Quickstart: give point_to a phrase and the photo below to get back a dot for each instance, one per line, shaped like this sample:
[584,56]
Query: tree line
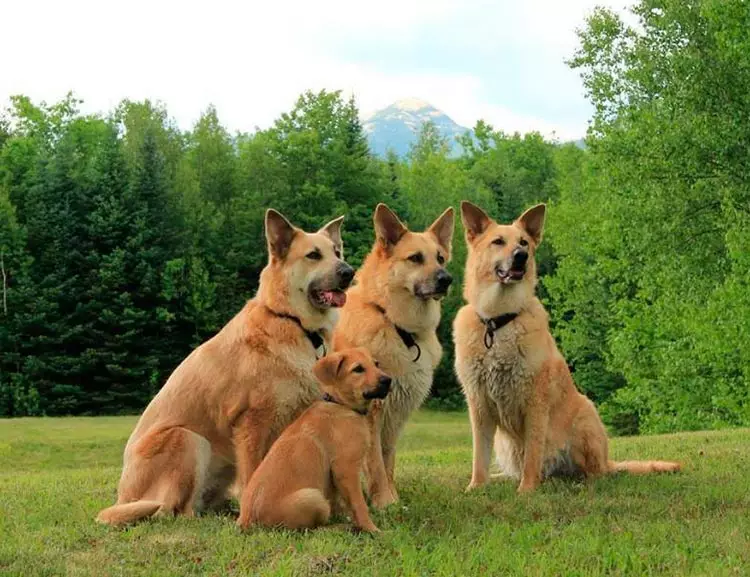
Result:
[125,241]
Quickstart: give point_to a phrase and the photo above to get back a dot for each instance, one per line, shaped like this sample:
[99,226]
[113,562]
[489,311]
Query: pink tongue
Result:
[335,298]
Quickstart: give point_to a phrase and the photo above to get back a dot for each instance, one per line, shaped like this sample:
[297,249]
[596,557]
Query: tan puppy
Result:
[517,384]
[219,412]
[394,311]
[317,461]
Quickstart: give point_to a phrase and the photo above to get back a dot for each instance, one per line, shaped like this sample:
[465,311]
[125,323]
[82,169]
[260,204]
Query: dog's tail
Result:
[643,467]
[128,512]
[305,509]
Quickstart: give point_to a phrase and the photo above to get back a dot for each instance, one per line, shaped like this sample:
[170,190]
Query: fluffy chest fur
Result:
[299,389]
[412,378]
[500,377]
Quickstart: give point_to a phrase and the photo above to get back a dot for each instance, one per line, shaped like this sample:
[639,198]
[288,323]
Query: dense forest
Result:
[125,241]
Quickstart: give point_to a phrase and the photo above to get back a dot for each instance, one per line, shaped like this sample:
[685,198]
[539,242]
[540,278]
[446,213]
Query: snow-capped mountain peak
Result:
[397,126]
[411,104]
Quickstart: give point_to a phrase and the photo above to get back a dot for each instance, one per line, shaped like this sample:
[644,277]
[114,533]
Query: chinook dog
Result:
[393,311]
[316,462]
[517,385]
[221,409]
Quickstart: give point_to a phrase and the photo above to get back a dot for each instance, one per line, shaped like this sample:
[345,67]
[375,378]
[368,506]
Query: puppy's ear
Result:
[279,234]
[442,229]
[327,369]
[333,231]
[388,228]
[474,219]
[532,221]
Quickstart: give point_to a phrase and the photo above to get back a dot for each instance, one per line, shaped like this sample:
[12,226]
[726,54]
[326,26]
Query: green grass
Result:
[55,475]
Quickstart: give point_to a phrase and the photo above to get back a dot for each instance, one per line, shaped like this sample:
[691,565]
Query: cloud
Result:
[252,59]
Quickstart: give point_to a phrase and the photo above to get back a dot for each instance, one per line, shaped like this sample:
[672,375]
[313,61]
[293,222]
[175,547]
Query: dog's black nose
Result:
[444,279]
[382,390]
[519,259]
[346,273]
[385,382]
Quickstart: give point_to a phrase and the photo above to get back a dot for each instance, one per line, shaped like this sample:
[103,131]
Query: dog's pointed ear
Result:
[327,368]
[442,229]
[474,219]
[388,228]
[333,231]
[532,221]
[279,233]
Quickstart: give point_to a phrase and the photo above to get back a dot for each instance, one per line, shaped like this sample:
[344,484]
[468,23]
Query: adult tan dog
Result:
[393,310]
[317,461]
[517,384]
[221,409]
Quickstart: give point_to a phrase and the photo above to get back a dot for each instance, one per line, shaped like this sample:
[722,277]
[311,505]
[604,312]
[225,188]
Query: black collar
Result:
[313,336]
[409,339]
[495,324]
[328,398]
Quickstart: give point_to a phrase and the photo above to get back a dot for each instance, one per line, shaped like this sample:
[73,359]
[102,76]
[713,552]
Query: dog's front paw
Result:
[383,499]
[475,484]
[527,487]
[243,523]
[369,528]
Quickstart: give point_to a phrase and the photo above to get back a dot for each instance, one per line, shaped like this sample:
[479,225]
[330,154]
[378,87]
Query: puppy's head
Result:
[500,263]
[306,268]
[416,260]
[352,378]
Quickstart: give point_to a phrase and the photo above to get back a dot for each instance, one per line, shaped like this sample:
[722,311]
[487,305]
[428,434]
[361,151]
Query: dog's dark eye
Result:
[499,241]
[314,255]
[524,242]
[440,259]
[358,369]
[417,258]
[337,252]
[377,364]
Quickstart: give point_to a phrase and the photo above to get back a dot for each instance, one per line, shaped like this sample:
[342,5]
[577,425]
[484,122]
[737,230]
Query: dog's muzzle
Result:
[381,391]
[517,268]
[344,275]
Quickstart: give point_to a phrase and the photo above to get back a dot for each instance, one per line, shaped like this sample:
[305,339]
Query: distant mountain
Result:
[397,126]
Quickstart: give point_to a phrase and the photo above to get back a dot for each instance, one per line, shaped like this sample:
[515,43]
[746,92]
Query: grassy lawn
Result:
[55,475]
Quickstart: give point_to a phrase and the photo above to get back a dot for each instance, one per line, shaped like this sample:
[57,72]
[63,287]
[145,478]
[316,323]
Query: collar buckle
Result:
[409,339]
[494,324]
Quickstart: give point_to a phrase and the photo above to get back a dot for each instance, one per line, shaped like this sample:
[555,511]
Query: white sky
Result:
[252,59]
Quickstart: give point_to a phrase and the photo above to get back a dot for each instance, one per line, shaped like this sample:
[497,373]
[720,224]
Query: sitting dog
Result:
[517,384]
[221,410]
[394,310]
[317,460]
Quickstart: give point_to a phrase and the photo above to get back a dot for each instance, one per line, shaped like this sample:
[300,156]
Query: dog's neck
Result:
[316,338]
[409,339]
[330,399]
[495,300]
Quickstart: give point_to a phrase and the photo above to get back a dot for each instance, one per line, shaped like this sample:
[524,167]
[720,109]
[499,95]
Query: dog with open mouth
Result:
[212,423]
[517,384]
[316,462]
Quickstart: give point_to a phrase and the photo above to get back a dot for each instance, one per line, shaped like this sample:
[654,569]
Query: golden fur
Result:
[316,462]
[221,409]
[393,288]
[519,390]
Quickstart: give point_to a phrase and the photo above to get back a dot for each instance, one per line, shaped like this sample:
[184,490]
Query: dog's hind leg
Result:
[163,473]
[590,446]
